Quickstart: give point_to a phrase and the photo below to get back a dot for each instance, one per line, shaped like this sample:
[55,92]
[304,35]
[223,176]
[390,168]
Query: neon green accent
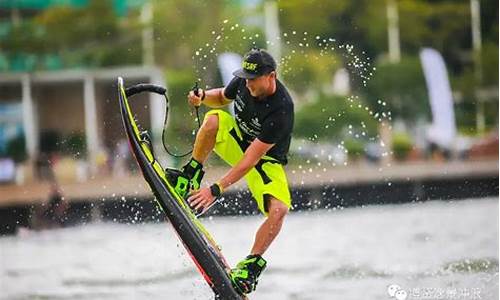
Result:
[261,262]
[147,151]
[161,173]
[238,273]
[245,262]
[249,66]
[194,180]
[228,149]
[193,163]
[157,167]
[182,186]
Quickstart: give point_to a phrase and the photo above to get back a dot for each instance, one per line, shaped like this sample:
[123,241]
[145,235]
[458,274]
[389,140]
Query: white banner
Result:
[443,129]
[228,63]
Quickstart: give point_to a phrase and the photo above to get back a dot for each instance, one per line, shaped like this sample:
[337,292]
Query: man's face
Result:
[259,86]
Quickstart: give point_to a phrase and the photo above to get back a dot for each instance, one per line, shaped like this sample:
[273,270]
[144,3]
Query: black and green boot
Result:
[246,274]
[187,178]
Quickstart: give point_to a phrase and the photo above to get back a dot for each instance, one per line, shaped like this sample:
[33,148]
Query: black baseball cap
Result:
[256,62]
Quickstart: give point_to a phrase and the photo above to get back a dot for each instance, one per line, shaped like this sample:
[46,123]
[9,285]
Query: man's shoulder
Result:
[282,91]
[239,81]
[285,99]
[233,88]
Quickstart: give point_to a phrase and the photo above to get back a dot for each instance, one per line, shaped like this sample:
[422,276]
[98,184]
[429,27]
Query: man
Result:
[254,143]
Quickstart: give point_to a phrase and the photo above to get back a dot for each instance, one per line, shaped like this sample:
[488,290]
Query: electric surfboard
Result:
[201,247]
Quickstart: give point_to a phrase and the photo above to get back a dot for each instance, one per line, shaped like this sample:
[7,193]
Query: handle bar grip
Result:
[145,87]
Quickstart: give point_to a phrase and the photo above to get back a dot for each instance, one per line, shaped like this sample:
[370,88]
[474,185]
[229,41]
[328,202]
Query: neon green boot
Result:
[246,274]
[187,179]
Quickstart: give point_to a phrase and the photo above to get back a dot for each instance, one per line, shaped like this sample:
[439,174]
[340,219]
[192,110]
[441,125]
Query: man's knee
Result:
[277,209]
[211,124]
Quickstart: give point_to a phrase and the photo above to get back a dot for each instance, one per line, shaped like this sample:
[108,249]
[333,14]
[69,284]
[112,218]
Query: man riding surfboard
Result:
[255,143]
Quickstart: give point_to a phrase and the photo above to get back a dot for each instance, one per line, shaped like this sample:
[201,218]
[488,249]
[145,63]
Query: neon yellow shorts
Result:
[266,178]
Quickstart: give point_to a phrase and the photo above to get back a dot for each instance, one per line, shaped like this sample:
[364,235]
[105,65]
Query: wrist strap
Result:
[203,96]
[220,187]
[216,189]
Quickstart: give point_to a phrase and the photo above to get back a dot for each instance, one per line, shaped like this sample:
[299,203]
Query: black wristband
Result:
[203,96]
[215,190]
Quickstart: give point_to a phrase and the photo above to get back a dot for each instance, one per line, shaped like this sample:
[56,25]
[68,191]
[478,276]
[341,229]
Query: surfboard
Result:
[198,242]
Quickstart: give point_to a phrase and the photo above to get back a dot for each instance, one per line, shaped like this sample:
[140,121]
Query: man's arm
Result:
[252,155]
[214,98]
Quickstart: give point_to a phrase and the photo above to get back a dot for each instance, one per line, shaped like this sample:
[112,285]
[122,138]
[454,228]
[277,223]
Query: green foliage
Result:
[181,122]
[329,117]
[355,148]
[468,83]
[348,21]
[180,27]
[74,145]
[402,87]
[489,64]
[442,25]
[308,70]
[16,149]
[401,145]
[184,28]
[88,36]
[94,35]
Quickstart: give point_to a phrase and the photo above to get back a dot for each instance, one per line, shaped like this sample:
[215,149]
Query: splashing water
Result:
[295,44]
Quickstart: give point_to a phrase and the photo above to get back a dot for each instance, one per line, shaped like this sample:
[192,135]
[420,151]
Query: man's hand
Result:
[195,100]
[252,155]
[214,98]
[201,199]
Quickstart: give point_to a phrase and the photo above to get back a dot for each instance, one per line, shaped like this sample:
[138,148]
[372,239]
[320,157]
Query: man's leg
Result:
[271,227]
[205,138]
[246,274]
[191,174]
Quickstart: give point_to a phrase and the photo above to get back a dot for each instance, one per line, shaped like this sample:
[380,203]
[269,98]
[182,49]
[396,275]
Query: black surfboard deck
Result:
[196,239]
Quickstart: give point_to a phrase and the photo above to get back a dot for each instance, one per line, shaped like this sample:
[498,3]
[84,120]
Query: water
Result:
[345,254]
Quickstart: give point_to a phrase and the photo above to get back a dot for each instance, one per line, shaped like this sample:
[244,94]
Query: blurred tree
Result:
[331,117]
[401,87]
[16,149]
[355,148]
[80,36]
[468,86]
[74,144]
[442,25]
[489,62]
[188,35]
[181,123]
[97,37]
[358,22]
[308,70]
[401,145]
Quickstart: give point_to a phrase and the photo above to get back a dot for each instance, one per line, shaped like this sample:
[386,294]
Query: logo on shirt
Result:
[246,128]
[252,126]
[255,122]
[239,104]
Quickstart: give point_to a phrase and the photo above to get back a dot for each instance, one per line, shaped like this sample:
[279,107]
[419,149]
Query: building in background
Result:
[57,106]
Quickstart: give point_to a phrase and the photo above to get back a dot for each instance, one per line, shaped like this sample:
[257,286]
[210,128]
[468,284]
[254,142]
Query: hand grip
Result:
[195,89]
[145,87]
